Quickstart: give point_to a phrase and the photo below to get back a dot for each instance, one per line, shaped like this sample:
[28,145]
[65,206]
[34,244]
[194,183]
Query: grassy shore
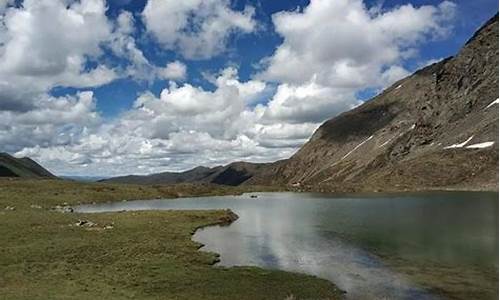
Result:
[132,255]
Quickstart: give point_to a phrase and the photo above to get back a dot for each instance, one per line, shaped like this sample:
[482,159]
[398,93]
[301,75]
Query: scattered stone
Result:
[35,206]
[85,223]
[10,208]
[64,209]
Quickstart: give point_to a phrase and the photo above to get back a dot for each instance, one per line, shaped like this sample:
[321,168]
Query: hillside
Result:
[21,167]
[233,174]
[437,128]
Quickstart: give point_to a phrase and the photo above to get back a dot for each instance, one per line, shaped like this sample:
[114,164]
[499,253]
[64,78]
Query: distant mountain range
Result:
[233,174]
[83,178]
[21,167]
[437,128]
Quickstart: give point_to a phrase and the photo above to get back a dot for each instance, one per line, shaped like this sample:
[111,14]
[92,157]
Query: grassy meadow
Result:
[126,255]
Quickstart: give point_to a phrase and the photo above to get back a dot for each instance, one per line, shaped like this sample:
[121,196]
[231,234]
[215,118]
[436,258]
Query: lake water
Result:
[384,246]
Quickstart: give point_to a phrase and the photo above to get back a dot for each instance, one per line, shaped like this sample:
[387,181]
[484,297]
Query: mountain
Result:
[21,167]
[437,128]
[82,178]
[233,174]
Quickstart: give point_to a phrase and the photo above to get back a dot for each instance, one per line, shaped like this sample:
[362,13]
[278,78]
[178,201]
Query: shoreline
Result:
[142,253]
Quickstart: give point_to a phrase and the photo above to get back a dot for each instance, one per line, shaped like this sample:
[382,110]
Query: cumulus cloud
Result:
[343,44]
[308,102]
[330,51]
[53,121]
[182,127]
[50,43]
[198,29]
[123,44]
[45,43]
[175,70]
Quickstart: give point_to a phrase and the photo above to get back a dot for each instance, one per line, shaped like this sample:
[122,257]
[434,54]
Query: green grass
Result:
[146,255]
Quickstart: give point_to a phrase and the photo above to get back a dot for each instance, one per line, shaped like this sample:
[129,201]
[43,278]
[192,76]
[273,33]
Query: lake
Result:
[435,245]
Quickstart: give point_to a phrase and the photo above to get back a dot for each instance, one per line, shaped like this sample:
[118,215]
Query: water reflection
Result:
[351,240]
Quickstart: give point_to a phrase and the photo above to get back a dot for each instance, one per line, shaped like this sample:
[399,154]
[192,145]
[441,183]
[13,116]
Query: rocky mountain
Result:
[437,128]
[21,167]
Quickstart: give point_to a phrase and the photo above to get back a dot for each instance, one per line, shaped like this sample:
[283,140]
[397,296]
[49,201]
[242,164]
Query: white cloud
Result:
[53,121]
[342,44]
[183,127]
[175,70]
[198,29]
[34,31]
[186,107]
[47,43]
[330,51]
[123,44]
[309,102]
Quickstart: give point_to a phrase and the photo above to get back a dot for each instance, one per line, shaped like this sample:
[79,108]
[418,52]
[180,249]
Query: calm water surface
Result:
[399,246]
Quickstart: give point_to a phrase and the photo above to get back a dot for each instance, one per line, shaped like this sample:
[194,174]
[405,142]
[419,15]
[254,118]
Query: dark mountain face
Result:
[437,128]
[21,167]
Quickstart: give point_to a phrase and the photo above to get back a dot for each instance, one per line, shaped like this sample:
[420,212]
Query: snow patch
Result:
[359,145]
[385,143]
[396,136]
[492,103]
[480,145]
[459,145]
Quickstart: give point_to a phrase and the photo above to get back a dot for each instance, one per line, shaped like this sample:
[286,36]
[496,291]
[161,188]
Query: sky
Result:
[107,88]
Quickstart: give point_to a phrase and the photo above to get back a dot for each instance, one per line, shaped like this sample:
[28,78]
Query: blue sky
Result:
[246,51]
[147,86]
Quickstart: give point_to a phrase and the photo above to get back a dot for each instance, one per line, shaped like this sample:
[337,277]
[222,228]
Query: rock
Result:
[85,223]
[11,208]
[64,209]
[35,206]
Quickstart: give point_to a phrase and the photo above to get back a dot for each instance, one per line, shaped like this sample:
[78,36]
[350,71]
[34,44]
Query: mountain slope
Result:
[21,167]
[413,134]
[437,128]
[233,174]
